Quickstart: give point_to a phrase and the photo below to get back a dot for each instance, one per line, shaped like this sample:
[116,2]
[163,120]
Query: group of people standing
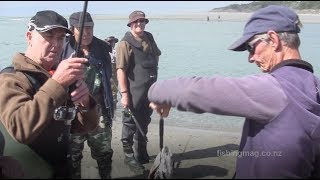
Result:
[72,99]
[281,107]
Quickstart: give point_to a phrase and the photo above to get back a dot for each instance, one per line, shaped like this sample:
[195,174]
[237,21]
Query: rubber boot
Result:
[76,170]
[141,152]
[131,161]
[105,168]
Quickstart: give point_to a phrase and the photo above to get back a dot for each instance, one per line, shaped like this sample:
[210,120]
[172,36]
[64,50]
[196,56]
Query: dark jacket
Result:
[98,57]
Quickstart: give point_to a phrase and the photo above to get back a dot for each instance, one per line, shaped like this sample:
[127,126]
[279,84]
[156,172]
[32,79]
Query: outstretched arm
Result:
[254,97]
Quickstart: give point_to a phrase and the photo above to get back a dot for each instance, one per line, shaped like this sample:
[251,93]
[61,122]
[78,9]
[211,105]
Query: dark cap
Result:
[75,19]
[274,17]
[46,20]
[135,15]
[111,38]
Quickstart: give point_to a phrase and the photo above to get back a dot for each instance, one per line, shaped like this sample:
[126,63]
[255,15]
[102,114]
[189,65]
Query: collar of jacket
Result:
[295,63]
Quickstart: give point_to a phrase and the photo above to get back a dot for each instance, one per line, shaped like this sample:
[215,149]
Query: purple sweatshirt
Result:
[281,133]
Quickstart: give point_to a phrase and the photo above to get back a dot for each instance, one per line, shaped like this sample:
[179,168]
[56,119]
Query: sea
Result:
[189,48]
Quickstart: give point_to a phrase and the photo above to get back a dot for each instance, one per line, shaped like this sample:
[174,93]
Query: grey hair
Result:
[263,36]
[291,40]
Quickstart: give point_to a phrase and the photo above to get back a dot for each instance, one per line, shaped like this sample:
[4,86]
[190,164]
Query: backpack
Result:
[33,165]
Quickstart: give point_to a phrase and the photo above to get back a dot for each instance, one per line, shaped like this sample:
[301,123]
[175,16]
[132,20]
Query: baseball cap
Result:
[46,20]
[273,17]
[75,19]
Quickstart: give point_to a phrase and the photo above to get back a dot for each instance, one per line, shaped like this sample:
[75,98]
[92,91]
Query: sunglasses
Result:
[140,21]
[251,46]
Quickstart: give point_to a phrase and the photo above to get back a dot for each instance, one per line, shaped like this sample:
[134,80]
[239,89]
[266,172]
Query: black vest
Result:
[142,71]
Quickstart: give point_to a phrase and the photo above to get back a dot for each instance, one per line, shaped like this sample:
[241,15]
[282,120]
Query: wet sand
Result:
[197,153]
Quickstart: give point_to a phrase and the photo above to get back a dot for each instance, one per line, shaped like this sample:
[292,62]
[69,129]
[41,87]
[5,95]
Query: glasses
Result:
[251,46]
[140,21]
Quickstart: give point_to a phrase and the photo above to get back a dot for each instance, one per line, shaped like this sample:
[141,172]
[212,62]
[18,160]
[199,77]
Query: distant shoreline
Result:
[202,16]
[213,16]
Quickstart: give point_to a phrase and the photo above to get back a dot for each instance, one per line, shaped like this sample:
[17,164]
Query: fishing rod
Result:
[77,53]
[137,124]
[68,113]
[128,111]
[83,16]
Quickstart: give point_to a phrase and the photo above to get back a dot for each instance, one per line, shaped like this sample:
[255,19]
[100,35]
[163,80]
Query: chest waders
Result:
[142,72]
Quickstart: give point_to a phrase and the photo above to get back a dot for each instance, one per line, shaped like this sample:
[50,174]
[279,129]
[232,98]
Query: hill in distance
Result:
[310,7]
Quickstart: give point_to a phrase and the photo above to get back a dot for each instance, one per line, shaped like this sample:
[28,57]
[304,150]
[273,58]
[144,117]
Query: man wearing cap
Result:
[97,76]
[31,111]
[111,40]
[281,133]
[137,68]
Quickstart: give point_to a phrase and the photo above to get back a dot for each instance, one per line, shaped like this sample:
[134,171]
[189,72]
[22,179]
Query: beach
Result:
[305,16]
[201,152]
[197,153]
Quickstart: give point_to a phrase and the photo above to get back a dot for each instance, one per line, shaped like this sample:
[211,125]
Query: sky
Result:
[29,8]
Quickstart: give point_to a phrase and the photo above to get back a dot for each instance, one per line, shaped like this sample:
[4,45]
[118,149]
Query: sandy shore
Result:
[213,16]
[305,16]
[196,153]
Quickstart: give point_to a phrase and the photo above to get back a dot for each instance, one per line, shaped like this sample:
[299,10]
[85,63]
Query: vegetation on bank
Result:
[301,6]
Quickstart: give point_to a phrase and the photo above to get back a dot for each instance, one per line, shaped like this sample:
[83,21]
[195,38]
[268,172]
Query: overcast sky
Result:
[29,8]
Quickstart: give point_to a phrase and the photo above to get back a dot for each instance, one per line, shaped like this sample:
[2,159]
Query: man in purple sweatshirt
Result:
[281,107]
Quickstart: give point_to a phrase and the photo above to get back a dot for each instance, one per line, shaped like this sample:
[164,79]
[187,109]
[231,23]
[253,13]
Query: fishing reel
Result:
[64,113]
